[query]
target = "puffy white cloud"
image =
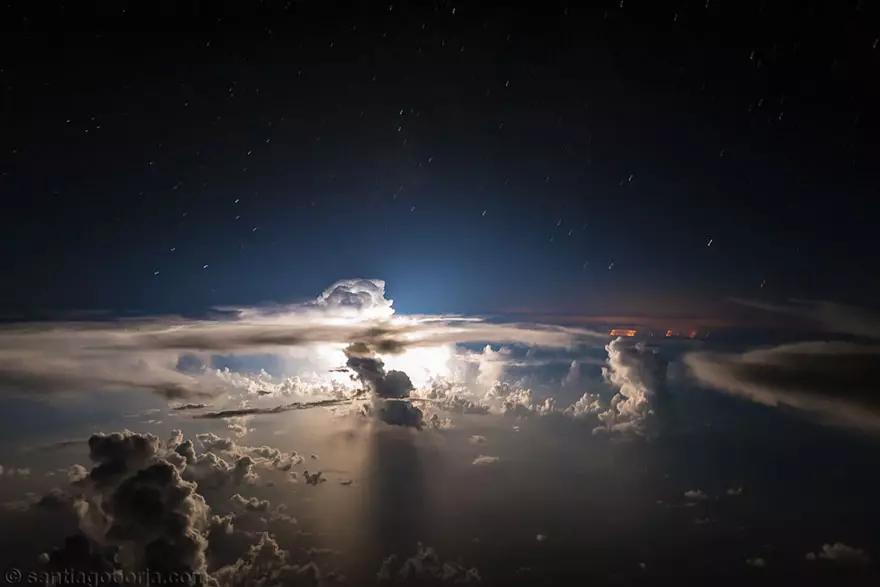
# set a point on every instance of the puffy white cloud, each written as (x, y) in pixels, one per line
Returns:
(451, 396)
(588, 404)
(22, 473)
(490, 365)
(483, 461)
(840, 553)
(518, 403)
(512, 399)
(695, 494)
(77, 473)
(246, 457)
(573, 376)
(238, 425)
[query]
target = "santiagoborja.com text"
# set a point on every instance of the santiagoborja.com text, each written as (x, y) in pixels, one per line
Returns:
(65, 577)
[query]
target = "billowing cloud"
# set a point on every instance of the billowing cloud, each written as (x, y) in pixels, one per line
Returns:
(251, 504)
(586, 405)
(426, 566)
(837, 380)
(390, 389)
(135, 499)
(264, 560)
(639, 375)
(238, 425)
(77, 473)
(141, 503)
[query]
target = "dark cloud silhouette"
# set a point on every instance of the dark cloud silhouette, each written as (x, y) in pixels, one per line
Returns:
(426, 567)
(186, 407)
(390, 389)
(140, 503)
(274, 410)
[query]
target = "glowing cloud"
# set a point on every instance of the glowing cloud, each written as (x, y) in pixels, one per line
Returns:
(311, 337)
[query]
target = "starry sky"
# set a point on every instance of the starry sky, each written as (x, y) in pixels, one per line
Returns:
(326, 291)
(617, 158)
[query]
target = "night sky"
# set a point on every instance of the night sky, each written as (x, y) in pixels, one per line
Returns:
(478, 160)
(426, 294)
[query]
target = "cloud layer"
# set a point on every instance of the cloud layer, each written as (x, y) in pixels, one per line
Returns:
(837, 380)
(147, 354)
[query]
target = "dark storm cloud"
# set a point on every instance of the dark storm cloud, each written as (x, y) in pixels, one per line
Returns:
(135, 497)
(185, 407)
(370, 370)
(397, 412)
(390, 389)
(141, 503)
(832, 317)
(837, 380)
(236, 412)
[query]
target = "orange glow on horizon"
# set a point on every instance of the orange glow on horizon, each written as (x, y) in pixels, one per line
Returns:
(623, 332)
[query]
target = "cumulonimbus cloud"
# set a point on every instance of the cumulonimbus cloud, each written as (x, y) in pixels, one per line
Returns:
(144, 354)
(837, 380)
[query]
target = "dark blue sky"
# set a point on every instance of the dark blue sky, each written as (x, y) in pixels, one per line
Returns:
(370, 145)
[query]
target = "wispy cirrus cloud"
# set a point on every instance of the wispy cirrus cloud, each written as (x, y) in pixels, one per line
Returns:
(837, 380)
